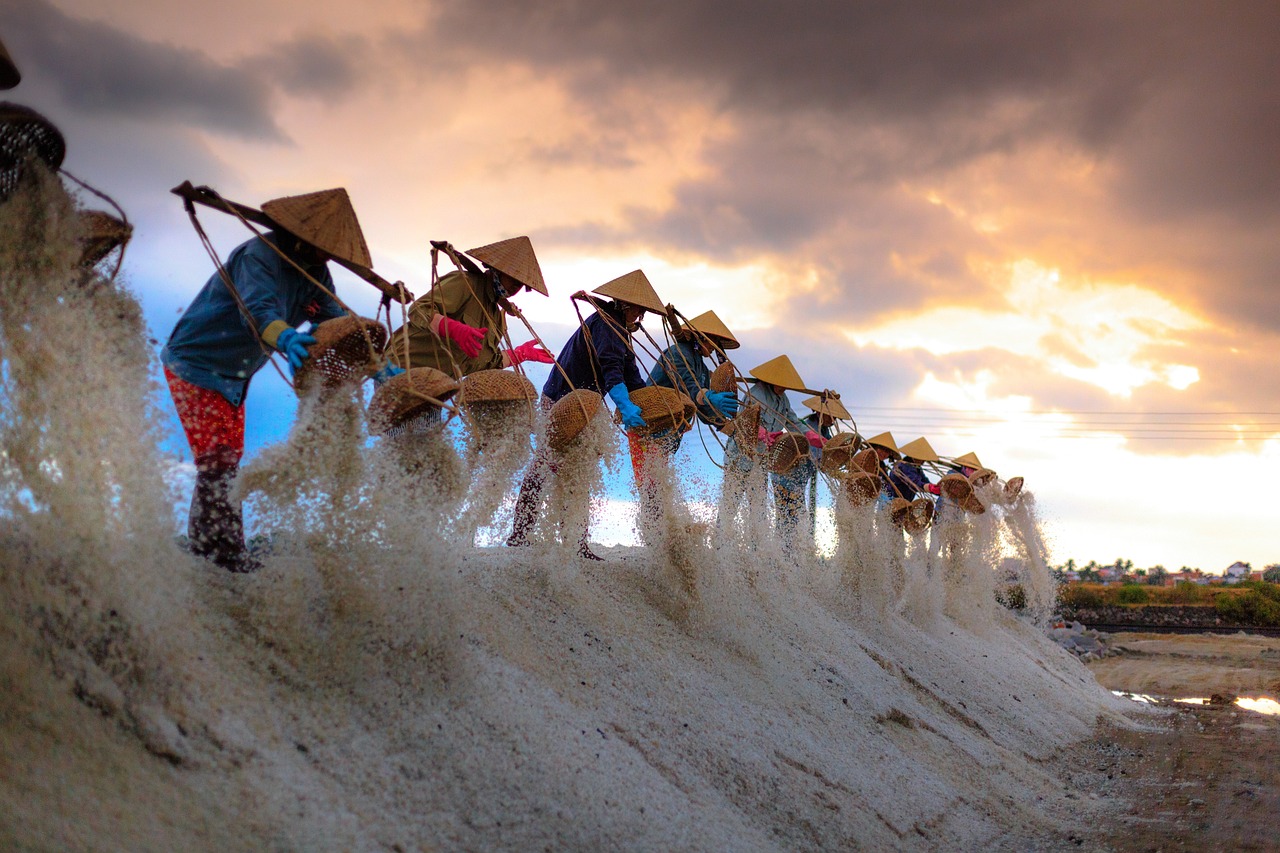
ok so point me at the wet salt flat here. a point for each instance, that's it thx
(1260, 705)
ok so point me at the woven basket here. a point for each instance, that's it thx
(956, 487)
(972, 505)
(100, 234)
(25, 133)
(899, 509)
(663, 409)
(787, 453)
(861, 488)
(867, 460)
(486, 387)
(982, 477)
(918, 517)
(570, 416)
(722, 378)
(1013, 488)
(400, 398)
(341, 354)
(838, 453)
(745, 427)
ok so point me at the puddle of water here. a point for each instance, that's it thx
(1261, 705)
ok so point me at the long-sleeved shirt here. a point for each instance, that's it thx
(906, 480)
(467, 297)
(681, 367)
(597, 357)
(214, 346)
(776, 415)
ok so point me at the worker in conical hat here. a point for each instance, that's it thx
(769, 385)
(826, 410)
(598, 357)
(682, 366)
(217, 346)
(459, 326)
(907, 479)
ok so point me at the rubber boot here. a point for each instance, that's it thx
(215, 526)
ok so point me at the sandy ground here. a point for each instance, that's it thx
(1204, 777)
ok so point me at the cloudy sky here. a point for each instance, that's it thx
(1042, 231)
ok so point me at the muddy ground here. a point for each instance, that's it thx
(1200, 777)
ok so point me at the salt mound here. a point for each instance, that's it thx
(384, 685)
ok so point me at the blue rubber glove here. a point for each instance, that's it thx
(386, 373)
(294, 345)
(725, 402)
(629, 411)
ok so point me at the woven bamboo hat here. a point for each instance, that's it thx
(919, 449)
(885, 440)
(969, 460)
(9, 74)
(713, 327)
(830, 406)
(326, 220)
(779, 371)
(634, 289)
(514, 257)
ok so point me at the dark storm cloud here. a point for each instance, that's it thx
(1176, 100)
(313, 65)
(100, 70)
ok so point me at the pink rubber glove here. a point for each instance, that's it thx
(772, 437)
(469, 339)
(529, 351)
(933, 489)
(762, 434)
(815, 440)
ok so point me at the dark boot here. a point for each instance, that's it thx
(215, 526)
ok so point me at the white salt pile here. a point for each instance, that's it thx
(384, 685)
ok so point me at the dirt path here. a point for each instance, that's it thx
(1204, 777)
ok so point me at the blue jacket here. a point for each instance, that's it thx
(681, 367)
(596, 349)
(213, 345)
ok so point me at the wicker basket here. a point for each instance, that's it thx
(400, 398)
(956, 487)
(745, 427)
(972, 505)
(790, 449)
(345, 352)
(982, 477)
(838, 453)
(25, 133)
(899, 509)
(1013, 488)
(570, 416)
(100, 234)
(918, 516)
(495, 386)
(861, 488)
(663, 409)
(723, 378)
(867, 460)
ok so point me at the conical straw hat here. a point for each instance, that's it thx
(326, 220)
(634, 289)
(709, 324)
(885, 440)
(919, 449)
(831, 406)
(779, 371)
(9, 74)
(514, 257)
(969, 460)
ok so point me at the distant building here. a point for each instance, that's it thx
(1237, 571)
